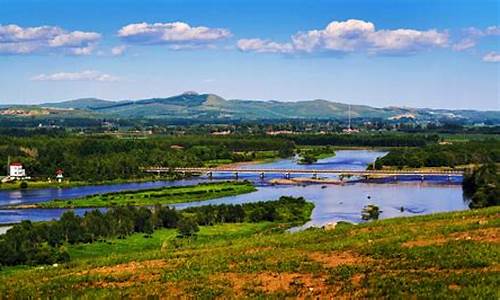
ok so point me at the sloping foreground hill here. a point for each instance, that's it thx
(449, 255)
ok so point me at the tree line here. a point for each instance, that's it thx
(482, 186)
(99, 158)
(448, 155)
(364, 139)
(46, 242)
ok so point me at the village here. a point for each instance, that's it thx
(17, 172)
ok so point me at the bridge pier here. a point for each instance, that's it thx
(236, 175)
(210, 175)
(287, 175)
(422, 177)
(261, 175)
(315, 176)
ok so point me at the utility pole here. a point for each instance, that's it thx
(349, 113)
(8, 165)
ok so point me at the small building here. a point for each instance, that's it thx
(59, 174)
(17, 171)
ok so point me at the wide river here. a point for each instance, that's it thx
(333, 202)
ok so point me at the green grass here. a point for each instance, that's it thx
(320, 152)
(447, 255)
(167, 195)
(68, 184)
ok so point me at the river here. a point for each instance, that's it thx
(333, 202)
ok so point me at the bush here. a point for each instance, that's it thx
(187, 227)
(23, 185)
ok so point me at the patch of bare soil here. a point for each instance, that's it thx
(130, 267)
(486, 235)
(335, 259)
(300, 285)
(127, 274)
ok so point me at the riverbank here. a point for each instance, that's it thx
(70, 184)
(396, 258)
(149, 197)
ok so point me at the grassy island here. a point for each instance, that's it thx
(166, 195)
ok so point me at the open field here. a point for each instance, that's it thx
(38, 184)
(446, 255)
(167, 195)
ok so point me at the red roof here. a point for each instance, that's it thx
(16, 164)
(59, 171)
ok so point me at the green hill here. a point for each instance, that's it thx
(212, 107)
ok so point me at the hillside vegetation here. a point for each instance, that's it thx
(449, 255)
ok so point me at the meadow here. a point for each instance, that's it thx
(166, 195)
(447, 255)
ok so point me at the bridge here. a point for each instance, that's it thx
(314, 172)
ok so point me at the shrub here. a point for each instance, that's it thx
(187, 227)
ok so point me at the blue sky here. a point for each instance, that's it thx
(443, 54)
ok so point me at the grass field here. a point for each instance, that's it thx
(69, 184)
(449, 255)
(167, 195)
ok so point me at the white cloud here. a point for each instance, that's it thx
(177, 34)
(492, 57)
(352, 36)
(118, 50)
(258, 45)
(15, 39)
(471, 36)
(88, 75)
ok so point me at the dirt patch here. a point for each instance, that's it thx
(297, 284)
(486, 235)
(127, 274)
(130, 267)
(335, 259)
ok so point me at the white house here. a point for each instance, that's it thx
(59, 175)
(16, 170)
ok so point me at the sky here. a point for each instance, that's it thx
(414, 53)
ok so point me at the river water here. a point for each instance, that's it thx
(332, 202)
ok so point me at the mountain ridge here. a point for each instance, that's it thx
(213, 107)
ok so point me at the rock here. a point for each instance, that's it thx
(482, 222)
(329, 226)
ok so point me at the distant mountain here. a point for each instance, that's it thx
(83, 103)
(212, 107)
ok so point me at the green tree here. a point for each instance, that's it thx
(187, 227)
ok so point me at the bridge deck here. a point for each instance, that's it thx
(310, 171)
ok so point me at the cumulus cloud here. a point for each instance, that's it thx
(15, 39)
(352, 36)
(177, 35)
(492, 57)
(471, 36)
(88, 75)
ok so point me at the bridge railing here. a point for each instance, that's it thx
(308, 171)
